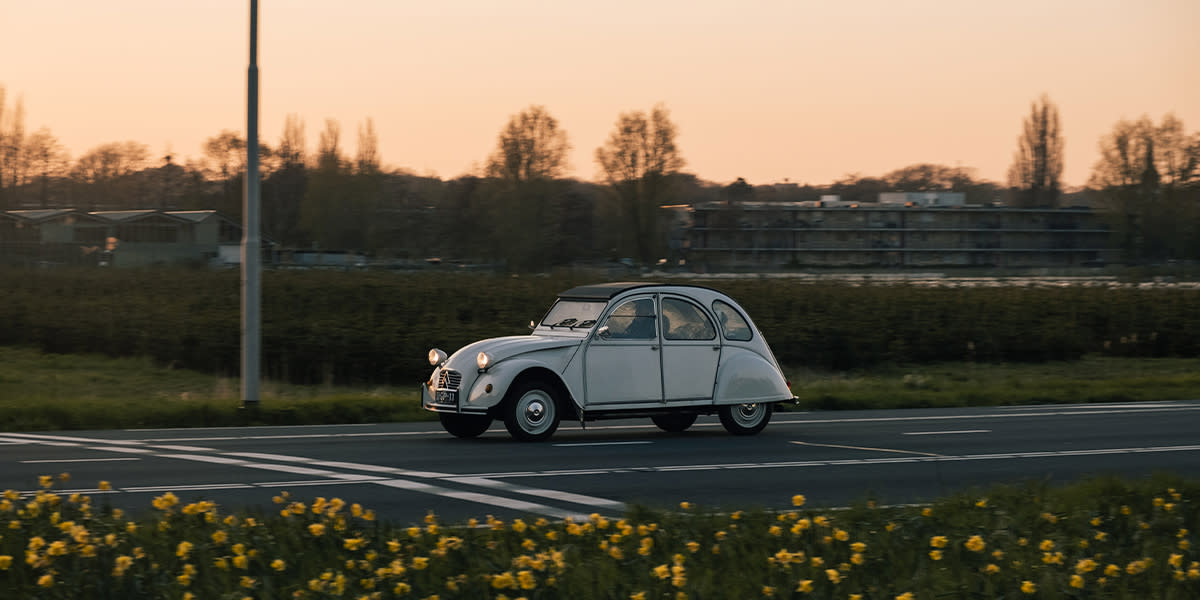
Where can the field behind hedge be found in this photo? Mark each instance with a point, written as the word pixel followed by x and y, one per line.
pixel 375 327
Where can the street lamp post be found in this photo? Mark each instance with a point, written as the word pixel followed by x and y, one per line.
pixel 251 242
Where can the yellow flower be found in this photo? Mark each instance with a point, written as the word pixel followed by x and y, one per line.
pixel 662 571
pixel 401 589
pixel 841 535
pixel 935 554
pixel 693 547
pixel 5 562
pixel 316 529
pixel 246 582
pixel 1046 545
pixel 833 575
pixel 768 591
pixel 991 569
pixel 240 561
pixel 685 505
pixel 905 596
pixel 938 541
pixel 1028 587
pixel 775 530
pixel 1086 565
pixel 638 596
pixel 46 580
pixel 981 503
pixel 45 481
pixel 105 486
pixel 805 586
pixel 183 549
pixel 420 562
pixel 615 553
pixel 1176 560
pixel 1112 570
pixel 799 500
pixel 1049 517
pixel 927 512
pixel 858 547
pixel 975 544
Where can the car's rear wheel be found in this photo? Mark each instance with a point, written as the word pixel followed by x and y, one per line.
pixel 465 426
pixel 532 413
pixel 745 419
pixel 674 422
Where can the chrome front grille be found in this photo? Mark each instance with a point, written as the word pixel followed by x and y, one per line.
pixel 449 380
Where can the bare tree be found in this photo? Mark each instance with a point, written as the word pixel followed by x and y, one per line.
pixel 1147 179
pixel 1036 172
pixel 638 160
pixel 104 173
pixel 47 158
pixel 367 159
pixel 531 147
pixel 12 143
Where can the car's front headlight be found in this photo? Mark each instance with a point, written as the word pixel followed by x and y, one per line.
pixel 436 357
pixel 482 360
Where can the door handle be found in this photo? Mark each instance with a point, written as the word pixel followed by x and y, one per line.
pixel 654 347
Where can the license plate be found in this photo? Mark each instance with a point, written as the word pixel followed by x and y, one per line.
pixel 446 397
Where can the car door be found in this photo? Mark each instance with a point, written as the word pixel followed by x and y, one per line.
pixel 622 362
pixel 691 350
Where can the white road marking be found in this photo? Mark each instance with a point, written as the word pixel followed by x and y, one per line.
pixel 75 460
pixel 830 463
pixel 959 432
pixel 336 478
pixel 579 444
pixel 239 427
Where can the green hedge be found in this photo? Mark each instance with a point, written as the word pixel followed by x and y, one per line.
pixel 375 327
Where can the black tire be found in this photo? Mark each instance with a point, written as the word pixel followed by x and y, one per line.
pixel 531 413
pixel 674 422
pixel 465 426
pixel 745 419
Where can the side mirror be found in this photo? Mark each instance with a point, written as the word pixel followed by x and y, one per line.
pixel 603 333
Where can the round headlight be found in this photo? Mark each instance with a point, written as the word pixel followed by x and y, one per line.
pixel 482 360
pixel 436 357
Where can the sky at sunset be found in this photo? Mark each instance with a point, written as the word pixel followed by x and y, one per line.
pixel 769 90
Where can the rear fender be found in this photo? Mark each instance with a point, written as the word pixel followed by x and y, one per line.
pixel 745 377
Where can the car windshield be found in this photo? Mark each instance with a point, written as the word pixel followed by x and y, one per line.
pixel 572 314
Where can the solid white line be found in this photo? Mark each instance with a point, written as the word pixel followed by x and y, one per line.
pixel 579 444
pixel 189 488
pixel 961 431
pixel 72 460
pixel 237 427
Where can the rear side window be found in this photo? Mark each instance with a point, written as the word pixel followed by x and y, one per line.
pixel 685 321
pixel 733 324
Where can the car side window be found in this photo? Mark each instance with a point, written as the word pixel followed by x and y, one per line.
pixel 633 320
pixel 733 324
pixel 685 321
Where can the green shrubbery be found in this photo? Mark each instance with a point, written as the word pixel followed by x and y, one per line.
pixel 375 328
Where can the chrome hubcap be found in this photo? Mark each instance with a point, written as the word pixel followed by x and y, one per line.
pixel 535 411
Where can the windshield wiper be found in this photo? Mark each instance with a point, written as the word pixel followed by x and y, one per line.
pixel 584 323
pixel 564 323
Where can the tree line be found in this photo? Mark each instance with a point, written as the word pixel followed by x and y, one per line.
pixel 523 210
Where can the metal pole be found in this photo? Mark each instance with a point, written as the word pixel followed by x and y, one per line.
pixel 251 243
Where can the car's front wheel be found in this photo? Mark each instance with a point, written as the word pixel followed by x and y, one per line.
pixel 465 426
pixel 532 413
pixel 745 419
pixel 674 422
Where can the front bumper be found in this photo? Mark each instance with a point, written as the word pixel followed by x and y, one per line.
pixel 435 398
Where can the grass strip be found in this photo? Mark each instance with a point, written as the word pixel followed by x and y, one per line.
pixel 58 392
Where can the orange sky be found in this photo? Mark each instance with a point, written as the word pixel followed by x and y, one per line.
pixel 805 90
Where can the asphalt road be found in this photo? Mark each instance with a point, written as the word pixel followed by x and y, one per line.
pixel 405 470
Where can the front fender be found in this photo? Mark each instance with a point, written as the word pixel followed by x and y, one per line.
pixel 500 377
pixel 745 377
